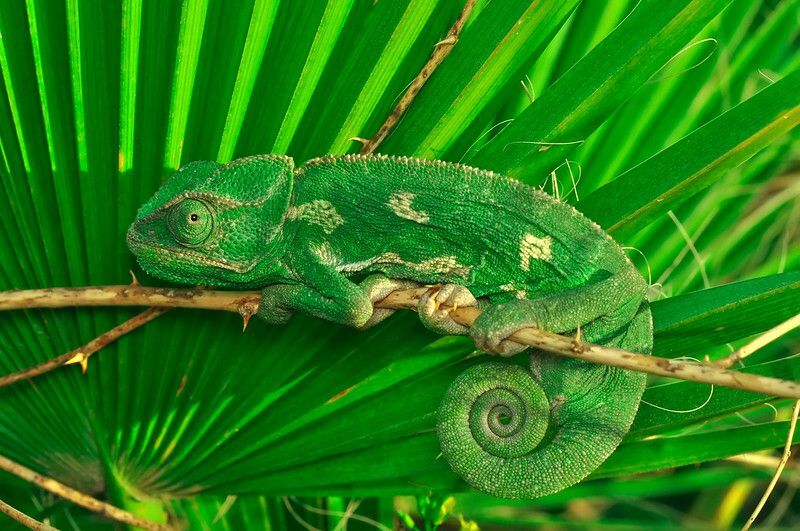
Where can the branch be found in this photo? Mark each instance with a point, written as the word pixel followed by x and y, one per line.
pixel 604 355
pixel 245 303
pixel 787 452
pixel 441 50
pixel 24 519
pixel 77 497
pixel 81 354
pixel 241 302
pixel 767 337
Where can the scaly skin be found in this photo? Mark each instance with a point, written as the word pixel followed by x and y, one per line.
pixel 306 235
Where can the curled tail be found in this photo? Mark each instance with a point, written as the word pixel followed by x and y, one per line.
pixel 518 434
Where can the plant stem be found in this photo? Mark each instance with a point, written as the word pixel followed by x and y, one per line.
pixel 767 337
pixel 242 302
pixel 24 519
pixel 81 354
pixel 245 303
pixel 441 50
pixel 787 452
pixel 77 497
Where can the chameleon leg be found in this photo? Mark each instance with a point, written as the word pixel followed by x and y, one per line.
pixel 614 299
pixel 518 434
pixel 323 293
pixel 377 287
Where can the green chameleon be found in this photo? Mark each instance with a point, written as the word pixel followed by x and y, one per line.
pixel 304 235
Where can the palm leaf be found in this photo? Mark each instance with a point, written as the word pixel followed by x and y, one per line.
pixel 102 100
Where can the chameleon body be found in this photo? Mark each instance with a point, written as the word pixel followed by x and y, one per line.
pixel 338 233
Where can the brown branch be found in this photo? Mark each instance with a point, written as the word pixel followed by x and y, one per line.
pixel 24 519
pixel 604 355
pixel 77 497
pixel 81 354
pixel 241 302
pixel 787 452
pixel 245 303
pixel 441 50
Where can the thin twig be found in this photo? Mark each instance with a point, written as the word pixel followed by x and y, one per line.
pixel 241 302
pixel 245 303
pixel 24 519
pixel 81 354
pixel 787 452
pixel 440 51
pixel 77 497
pixel 763 339
pixel 349 514
pixel 756 460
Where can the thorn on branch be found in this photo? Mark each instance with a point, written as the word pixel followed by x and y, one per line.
pixel 81 354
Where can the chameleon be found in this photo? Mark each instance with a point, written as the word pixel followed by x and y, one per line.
pixel 335 235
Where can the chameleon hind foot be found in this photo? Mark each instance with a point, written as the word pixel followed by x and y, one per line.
pixel 377 287
pixel 491 329
pixel 436 304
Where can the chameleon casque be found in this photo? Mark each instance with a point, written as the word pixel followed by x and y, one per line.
pixel 306 235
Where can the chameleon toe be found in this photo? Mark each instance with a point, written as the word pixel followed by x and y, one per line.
pixel 435 306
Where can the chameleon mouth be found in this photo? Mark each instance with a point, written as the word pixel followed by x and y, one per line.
pixel 141 247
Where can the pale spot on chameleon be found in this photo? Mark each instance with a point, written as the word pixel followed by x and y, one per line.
pixel 442 265
pixel 513 288
pixel 532 247
pixel 326 254
pixel 400 203
pixel 317 212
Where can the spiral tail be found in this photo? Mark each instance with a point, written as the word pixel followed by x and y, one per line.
pixel 518 434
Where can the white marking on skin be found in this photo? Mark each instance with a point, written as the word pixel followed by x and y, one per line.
pixel 536 248
pixel 326 254
pixel 354 267
pixel 443 264
pixel 511 287
pixel 400 203
pixel 317 212
pixel 435 265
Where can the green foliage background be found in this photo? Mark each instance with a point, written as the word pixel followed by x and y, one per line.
pixel 674 118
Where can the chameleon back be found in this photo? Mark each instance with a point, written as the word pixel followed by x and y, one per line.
pixel 507 431
pixel 433 221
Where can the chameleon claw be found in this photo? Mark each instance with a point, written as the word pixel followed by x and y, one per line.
pixel 437 304
pixel 245 321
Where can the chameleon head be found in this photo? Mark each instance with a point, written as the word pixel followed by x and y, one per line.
pixel 215 225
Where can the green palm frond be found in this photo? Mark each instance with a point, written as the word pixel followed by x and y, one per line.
pixel 674 119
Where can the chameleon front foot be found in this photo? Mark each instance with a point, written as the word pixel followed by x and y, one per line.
pixel 436 304
pixel 273 307
pixel 377 287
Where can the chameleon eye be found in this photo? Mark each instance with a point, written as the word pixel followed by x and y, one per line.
pixel 190 222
